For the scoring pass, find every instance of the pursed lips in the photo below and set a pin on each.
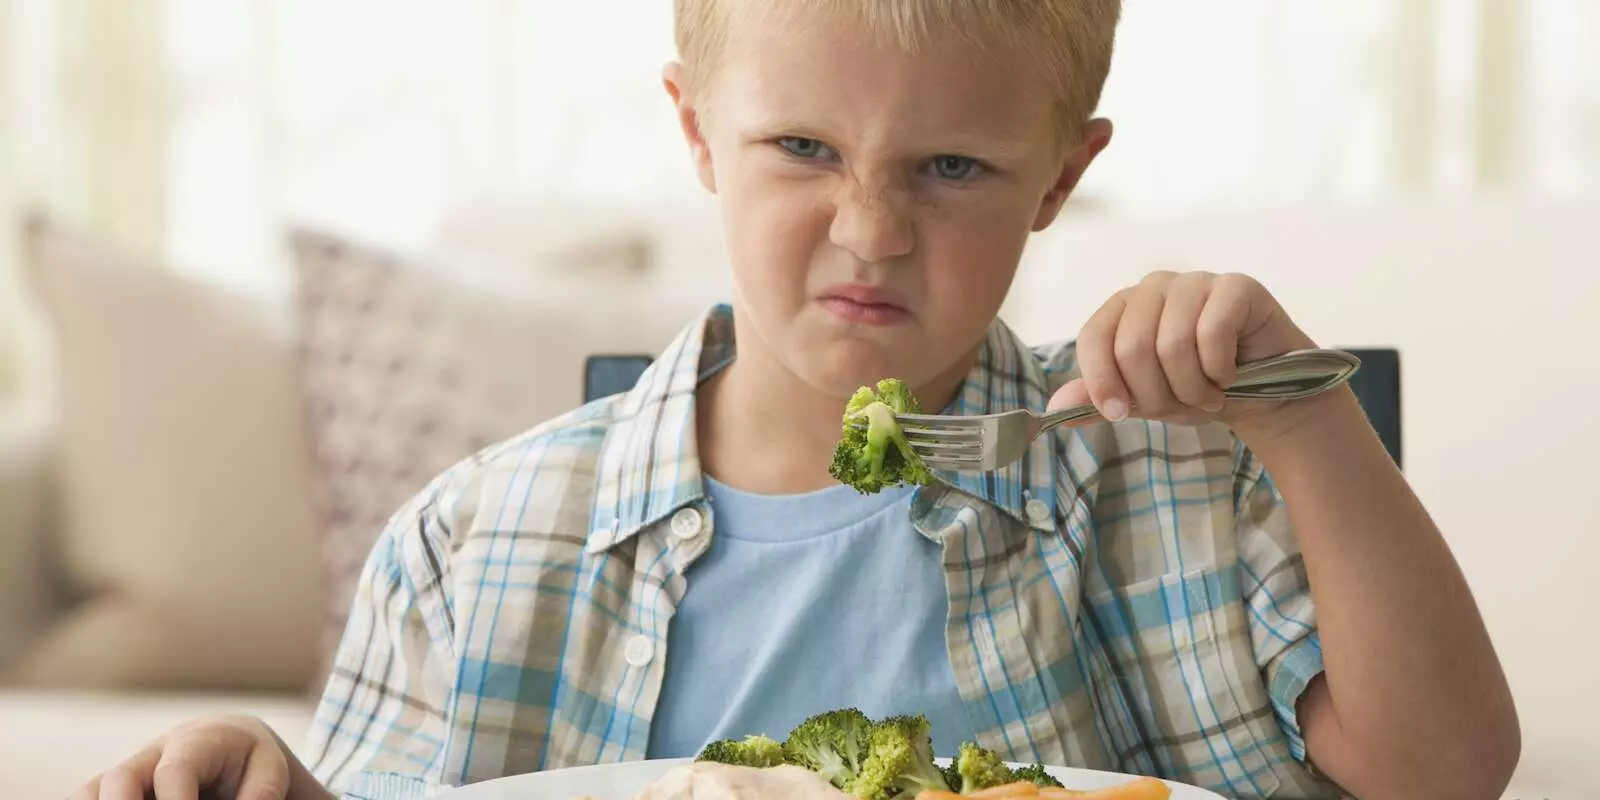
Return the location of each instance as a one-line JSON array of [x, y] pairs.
[[863, 304]]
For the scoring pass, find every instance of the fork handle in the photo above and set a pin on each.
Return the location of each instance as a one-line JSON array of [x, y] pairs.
[[1295, 375]]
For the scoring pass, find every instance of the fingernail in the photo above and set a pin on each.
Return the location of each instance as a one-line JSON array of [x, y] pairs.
[[1114, 409], [1214, 406]]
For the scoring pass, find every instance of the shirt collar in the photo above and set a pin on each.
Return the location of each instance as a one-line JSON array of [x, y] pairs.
[[1007, 376], [649, 465]]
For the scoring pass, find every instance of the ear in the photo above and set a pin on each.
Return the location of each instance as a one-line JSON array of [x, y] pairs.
[[675, 79], [1094, 137]]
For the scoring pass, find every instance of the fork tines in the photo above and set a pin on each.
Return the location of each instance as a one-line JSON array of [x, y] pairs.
[[946, 446]]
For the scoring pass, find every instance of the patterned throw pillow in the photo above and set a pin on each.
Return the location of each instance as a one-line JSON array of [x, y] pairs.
[[410, 365]]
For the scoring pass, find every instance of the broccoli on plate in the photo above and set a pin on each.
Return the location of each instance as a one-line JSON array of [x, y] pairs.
[[752, 751], [833, 745], [899, 761], [1036, 775], [890, 759], [977, 769]]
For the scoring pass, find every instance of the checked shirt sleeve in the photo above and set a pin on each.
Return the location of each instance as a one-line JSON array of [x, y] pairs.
[[1282, 620], [380, 728]]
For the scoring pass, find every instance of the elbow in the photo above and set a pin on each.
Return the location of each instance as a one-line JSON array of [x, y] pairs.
[[1490, 754], [1497, 757], [1477, 765]]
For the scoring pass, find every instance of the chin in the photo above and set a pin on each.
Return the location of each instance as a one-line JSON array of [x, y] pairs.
[[841, 367]]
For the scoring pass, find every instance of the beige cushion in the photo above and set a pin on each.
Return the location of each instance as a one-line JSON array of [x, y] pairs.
[[26, 592], [185, 505], [411, 364]]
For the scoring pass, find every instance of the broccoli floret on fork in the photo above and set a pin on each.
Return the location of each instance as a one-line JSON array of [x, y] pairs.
[[874, 453]]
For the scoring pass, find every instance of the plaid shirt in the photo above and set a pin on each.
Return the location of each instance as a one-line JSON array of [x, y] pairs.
[[1126, 597]]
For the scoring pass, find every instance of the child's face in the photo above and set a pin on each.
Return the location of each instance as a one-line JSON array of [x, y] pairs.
[[875, 203]]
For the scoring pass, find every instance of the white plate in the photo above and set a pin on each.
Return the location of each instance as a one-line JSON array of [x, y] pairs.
[[623, 781]]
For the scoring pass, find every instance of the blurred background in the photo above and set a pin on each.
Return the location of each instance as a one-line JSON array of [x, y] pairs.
[[267, 265]]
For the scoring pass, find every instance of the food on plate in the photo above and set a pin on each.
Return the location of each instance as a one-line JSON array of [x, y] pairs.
[[865, 759], [751, 751], [708, 780], [833, 745], [846, 754], [1139, 789], [975, 769], [874, 454]]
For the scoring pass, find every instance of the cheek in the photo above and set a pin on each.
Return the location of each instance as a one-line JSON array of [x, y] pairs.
[[972, 263], [774, 226]]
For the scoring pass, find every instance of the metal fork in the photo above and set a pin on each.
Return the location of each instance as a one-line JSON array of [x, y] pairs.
[[986, 442]]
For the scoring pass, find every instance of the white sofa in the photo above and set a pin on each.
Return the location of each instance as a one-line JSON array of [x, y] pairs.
[[1491, 305]]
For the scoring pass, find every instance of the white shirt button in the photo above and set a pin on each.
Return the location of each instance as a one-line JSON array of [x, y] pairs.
[[686, 524], [1038, 511], [639, 651], [602, 539]]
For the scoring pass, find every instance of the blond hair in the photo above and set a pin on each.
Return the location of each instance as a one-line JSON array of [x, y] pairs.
[[1069, 41]]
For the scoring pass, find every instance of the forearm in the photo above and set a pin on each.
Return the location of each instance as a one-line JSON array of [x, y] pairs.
[[1420, 706]]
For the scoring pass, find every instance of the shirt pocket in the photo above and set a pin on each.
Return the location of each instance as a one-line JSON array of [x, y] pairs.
[[1179, 682]]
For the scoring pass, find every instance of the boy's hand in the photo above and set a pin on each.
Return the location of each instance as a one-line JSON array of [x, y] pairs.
[[224, 757], [1165, 348]]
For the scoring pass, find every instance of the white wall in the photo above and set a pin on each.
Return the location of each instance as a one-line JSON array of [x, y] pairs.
[[1495, 308], [8, 181]]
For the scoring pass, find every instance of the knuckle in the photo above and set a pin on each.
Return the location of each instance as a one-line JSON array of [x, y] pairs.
[[1103, 389], [1190, 394], [1094, 350], [89, 789], [175, 762], [1238, 280], [1177, 344], [1133, 349], [1212, 330]]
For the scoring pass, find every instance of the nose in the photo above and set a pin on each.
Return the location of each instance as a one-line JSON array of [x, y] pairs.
[[873, 223]]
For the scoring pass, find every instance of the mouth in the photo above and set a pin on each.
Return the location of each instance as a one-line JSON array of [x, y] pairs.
[[861, 304]]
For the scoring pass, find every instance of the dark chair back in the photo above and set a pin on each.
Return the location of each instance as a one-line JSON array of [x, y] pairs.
[[1376, 384], [1377, 387]]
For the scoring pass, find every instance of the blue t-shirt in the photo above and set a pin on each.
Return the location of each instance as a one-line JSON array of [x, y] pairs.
[[803, 604]]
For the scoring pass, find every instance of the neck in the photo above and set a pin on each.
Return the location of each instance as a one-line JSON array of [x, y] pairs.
[[762, 429]]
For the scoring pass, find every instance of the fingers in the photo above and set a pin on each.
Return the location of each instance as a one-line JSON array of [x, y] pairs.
[[88, 791], [1074, 392], [1226, 313], [1135, 348], [266, 775], [1097, 361], [1168, 347], [231, 757], [129, 780], [1178, 343]]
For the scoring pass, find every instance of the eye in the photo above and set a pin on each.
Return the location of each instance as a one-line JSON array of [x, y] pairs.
[[801, 147], [956, 168]]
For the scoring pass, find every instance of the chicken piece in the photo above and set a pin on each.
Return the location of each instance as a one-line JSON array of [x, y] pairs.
[[711, 781]]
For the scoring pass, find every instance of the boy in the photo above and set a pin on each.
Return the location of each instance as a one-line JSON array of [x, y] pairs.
[[675, 565]]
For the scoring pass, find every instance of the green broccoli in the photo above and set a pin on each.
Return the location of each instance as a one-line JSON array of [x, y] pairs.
[[979, 769], [952, 776], [752, 751], [833, 745], [863, 458], [899, 761], [1036, 775]]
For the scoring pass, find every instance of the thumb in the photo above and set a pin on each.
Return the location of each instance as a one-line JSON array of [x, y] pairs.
[[1074, 393]]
